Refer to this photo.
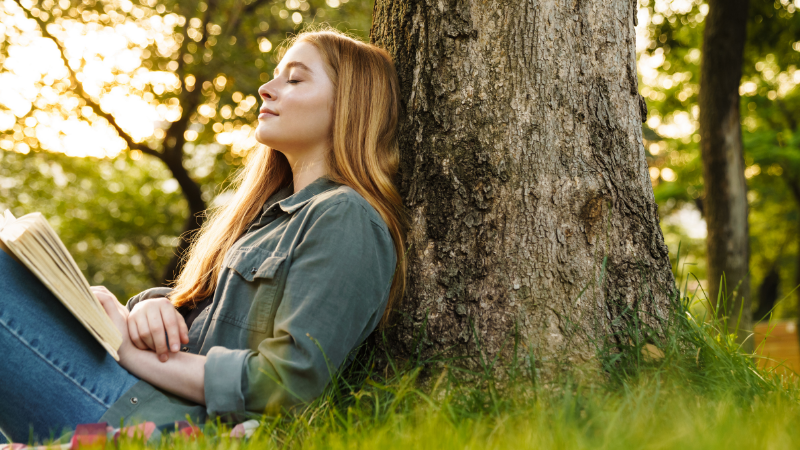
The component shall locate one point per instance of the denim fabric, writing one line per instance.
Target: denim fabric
(53, 374)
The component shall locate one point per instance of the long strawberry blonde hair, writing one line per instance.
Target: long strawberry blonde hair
(364, 156)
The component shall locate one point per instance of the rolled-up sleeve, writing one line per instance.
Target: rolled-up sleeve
(335, 292)
(156, 292)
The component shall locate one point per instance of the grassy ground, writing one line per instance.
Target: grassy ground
(687, 388)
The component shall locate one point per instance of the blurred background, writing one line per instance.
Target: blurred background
(120, 120)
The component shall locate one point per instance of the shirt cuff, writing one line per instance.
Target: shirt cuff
(223, 380)
(155, 292)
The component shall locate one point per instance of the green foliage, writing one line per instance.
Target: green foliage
(197, 63)
(119, 218)
(770, 106)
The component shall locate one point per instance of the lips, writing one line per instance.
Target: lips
(267, 111)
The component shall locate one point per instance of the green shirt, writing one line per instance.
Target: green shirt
(317, 264)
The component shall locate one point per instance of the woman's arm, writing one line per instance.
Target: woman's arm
(183, 374)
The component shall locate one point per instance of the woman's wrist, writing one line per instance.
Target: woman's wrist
(128, 354)
(183, 374)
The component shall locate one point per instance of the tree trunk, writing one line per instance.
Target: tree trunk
(194, 197)
(768, 294)
(523, 168)
(723, 164)
(794, 187)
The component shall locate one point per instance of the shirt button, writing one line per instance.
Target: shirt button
(184, 349)
(134, 400)
(254, 270)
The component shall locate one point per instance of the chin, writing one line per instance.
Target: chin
(262, 138)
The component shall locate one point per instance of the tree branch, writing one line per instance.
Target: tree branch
(188, 100)
(181, 52)
(82, 92)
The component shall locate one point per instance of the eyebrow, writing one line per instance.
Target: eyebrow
(291, 64)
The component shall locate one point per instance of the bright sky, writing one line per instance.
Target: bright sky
(108, 59)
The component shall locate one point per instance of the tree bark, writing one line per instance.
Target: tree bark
(523, 167)
(194, 197)
(723, 164)
(172, 155)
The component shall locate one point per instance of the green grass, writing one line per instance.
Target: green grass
(699, 392)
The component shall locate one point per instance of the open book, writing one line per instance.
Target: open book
(31, 241)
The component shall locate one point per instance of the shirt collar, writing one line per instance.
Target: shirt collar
(290, 203)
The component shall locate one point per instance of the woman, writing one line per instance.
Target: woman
(279, 286)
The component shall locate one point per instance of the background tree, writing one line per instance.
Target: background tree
(725, 204)
(524, 170)
(669, 63)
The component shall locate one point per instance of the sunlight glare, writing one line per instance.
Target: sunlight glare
(108, 62)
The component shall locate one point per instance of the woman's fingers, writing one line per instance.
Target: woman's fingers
(171, 326)
(115, 311)
(144, 332)
(133, 333)
(183, 328)
(105, 298)
(157, 335)
(158, 327)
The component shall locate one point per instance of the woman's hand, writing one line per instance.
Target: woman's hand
(118, 315)
(184, 376)
(153, 321)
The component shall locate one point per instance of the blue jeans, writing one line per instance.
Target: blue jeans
(53, 373)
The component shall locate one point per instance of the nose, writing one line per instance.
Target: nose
(266, 92)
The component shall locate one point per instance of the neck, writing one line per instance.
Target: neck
(306, 169)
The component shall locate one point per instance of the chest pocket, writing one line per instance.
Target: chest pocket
(251, 287)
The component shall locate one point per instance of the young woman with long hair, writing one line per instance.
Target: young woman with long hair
(278, 287)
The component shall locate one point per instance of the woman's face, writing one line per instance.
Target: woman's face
(297, 114)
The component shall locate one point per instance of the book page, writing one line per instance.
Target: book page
(42, 266)
(36, 245)
(53, 245)
(7, 217)
(54, 275)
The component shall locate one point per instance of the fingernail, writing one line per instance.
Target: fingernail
(163, 358)
(175, 347)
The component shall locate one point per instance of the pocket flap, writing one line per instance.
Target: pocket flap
(253, 262)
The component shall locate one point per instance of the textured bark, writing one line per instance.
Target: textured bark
(723, 163)
(523, 167)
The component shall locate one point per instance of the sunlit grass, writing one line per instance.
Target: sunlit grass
(682, 385)
(688, 387)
